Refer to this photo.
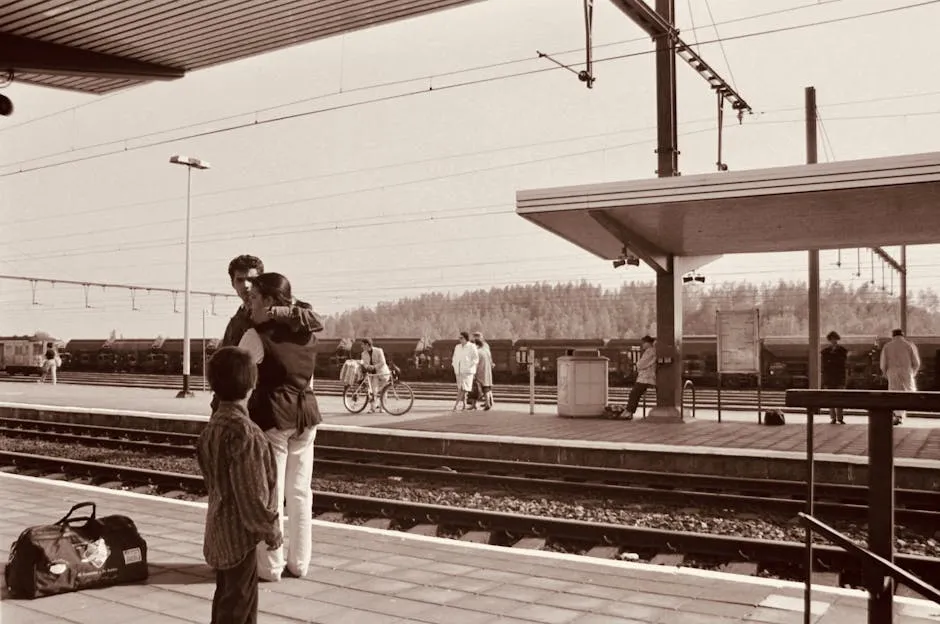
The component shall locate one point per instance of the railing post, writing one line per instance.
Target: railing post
(810, 498)
(881, 512)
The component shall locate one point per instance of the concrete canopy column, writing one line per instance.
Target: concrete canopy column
(669, 315)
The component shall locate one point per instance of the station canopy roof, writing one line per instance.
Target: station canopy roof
(860, 203)
(97, 46)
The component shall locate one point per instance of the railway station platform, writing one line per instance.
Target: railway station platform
(364, 575)
(737, 446)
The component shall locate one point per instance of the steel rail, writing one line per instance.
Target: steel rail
(834, 500)
(513, 526)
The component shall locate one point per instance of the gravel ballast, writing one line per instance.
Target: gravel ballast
(714, 520)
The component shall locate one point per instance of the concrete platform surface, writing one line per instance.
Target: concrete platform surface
(365, 575)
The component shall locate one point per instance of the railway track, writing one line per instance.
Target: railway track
(425, 390)
(914, 507)
(662, 546)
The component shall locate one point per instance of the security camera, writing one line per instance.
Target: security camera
(619, 263)
(633, 260)
(6, 106)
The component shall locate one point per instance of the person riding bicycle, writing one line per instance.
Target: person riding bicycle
(376, 368)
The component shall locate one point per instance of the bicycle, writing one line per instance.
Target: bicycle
(396, 397)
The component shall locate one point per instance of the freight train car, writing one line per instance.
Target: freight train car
(786, 361)
(25, 355)
(547, 352)
(622, 355)
(82, 354)
(331, 353)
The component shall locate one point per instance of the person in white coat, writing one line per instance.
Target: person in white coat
(899, 364)
(645, 378)
(465, 360)
(376, 367)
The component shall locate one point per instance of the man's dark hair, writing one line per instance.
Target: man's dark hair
(648, 338)
(466, 336)
(244, 263)
(231, 373)
(897, 332)
(833, 335)
(366, 341)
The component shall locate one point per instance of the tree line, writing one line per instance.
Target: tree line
(584, 310)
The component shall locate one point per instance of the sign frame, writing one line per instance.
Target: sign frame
(739, 319)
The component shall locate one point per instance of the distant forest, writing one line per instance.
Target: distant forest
(583, 310)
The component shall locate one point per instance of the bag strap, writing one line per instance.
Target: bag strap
(67, 519)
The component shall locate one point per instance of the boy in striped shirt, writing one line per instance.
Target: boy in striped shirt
(236, 461)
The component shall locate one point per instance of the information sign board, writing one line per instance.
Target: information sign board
(738, 333)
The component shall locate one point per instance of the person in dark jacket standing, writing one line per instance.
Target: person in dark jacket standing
(833, 359)
(284, 406)
(236, 462)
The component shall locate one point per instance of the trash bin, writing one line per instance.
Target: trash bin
(582, 384)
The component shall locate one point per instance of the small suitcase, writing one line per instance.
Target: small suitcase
(64, 557)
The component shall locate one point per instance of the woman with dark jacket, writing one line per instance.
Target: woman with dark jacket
(284, 406)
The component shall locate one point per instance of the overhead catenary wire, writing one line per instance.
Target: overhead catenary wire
(445, 87)
(343, 90)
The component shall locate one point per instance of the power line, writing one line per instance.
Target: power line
(407, 80)
(432, 88)
(721, 44)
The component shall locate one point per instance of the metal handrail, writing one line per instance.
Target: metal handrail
(866, 556)
(879, 405)
(688, 384)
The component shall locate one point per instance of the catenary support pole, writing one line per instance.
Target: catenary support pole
(814, 329)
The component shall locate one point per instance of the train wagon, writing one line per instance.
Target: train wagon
(622, 355)
(331, 353)
(172, 348)
(786, 361)
(24, 355)
(124, 355)
(82, 354)
(547, 352)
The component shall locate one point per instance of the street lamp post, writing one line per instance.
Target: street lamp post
(190, 164)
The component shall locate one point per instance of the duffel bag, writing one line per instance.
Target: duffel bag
(65, 557)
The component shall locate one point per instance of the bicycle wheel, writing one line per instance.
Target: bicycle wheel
(355, 398)
(397, 398)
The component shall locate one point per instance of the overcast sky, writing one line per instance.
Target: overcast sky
(365, 197)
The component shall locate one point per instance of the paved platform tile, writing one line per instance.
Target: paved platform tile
(364, 575)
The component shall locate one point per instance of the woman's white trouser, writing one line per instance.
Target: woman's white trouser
(293, 455)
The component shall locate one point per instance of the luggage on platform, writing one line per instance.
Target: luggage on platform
(76, 553)
(351, 373)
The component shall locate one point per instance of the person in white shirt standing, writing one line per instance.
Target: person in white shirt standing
(899, 364)
(645, 377)
(465, 361)
(377, 370)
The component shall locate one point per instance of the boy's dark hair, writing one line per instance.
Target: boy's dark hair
(833, 335)
(648, 338)
(244, 263)
(366, 341)
(231, 373)
(897, 332)
(465, 336)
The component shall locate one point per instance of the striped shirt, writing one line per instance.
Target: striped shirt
(241, 478)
